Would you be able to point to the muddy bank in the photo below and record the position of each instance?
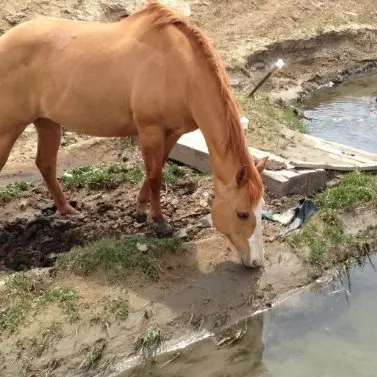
(32, 234)
(323, 59)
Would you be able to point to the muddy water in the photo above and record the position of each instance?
(346, 114)
(323, 332)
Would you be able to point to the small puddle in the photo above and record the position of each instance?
(320, 332)
(345, 114)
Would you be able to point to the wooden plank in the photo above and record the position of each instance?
(329, 166)
(360, 152)
(342, 152)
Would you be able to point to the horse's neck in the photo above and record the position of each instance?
(210, 117)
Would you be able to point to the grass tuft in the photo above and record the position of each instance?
(102, 176)
(293, 120)
(14, 190)
(47, 338)
(94, 355)
(118, 258)
(24, 295)
(323, 242)
(117, 308)
(150, 343)
(355, 188)
(66, 299)
(173, 174)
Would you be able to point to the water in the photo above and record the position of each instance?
(346, 114)
(320, 333)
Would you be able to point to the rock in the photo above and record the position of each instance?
(51, 256)
(23, 204)
(142, 246)
(190, 187)
(138, 226)
(61, 224)
(259, 66)
(206, 221)
(203, 202)
(183, 233)
(338, 79)
(113, 214)
(174, 203)
(45, 206)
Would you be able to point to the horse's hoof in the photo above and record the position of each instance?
(163, 229)
(66, 211)
(141, 217)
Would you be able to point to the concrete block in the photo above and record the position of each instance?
(192, 150)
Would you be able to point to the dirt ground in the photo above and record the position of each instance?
(203, 286)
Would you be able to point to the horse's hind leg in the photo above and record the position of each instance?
(49, 136)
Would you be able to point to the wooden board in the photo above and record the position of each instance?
(334, 156)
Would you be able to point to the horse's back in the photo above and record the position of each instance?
(87, 74)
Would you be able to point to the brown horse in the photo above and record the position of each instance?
(150, 74)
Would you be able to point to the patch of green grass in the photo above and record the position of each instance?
(355, 188)
(266, 119)
(113, 309)
(173, 174)
(118, 258)
(293, 120)
(102, 176)
(14, 190)
(15, 301)
(67, 300)
(323, 241)
(150, 343)
(23, 296)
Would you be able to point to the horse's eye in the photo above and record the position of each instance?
(243, 215)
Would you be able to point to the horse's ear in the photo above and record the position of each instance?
(242, 176)
(261, 165)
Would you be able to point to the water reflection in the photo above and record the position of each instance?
(345, 114)
(238, 352)
(318, 333)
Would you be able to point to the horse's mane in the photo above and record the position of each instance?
(235, 139)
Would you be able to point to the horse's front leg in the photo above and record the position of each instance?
(152, 143)
(143, 197)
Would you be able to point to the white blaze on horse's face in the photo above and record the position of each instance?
(244, 230)
(236, 214)
(254, 256)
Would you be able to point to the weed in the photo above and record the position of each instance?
(150, 343)
(173, 174)
(14, 190)
(95, 353)
(114, 308)
(118, 258)
(293, 120)
(102, 176)
(42, 342)
(67, 300)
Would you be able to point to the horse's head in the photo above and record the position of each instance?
(237, 213)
